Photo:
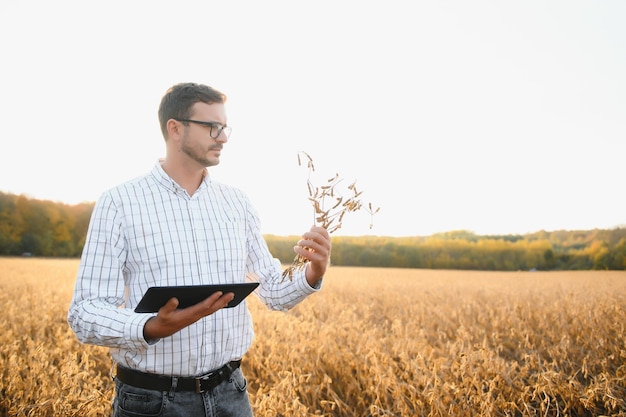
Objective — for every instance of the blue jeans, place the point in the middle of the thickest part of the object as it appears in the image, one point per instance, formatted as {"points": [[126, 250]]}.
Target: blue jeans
{"points": [[230, 398]]}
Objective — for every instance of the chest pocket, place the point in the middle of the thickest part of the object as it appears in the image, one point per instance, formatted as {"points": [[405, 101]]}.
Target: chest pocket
{"points": [[223, 248]]}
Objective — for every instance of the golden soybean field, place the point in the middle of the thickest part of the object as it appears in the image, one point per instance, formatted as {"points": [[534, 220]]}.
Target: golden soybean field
{"points": [[373, 342]]}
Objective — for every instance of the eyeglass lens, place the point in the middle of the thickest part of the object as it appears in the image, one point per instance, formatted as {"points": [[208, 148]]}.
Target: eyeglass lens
{"points": [[217, 129]]}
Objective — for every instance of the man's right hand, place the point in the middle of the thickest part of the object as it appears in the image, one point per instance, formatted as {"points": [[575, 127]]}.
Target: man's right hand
{"points": [[169, 319]]}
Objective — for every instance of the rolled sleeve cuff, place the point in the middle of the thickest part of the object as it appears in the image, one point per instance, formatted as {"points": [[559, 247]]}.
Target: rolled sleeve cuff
{"points": [[133, 331], [303, 285]]}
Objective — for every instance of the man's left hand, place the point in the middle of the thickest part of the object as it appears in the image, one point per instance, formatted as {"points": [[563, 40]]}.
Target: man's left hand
{"points": [[315, 246]]}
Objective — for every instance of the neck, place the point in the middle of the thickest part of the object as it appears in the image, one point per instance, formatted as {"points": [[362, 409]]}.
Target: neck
{"points": [[189, 178]]}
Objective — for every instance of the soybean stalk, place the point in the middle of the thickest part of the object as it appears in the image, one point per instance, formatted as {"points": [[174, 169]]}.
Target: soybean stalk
{"points": [[329, 218]]}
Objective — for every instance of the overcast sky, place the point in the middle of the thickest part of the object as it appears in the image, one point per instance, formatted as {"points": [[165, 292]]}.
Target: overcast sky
{"points": [[490, 116]]}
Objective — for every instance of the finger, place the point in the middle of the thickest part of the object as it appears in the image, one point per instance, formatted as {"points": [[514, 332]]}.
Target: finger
{"points": [[210, 300], [315, 242], [320, 230], [215, 302], [314, 233], [306, 243], [313, 255], [225, 299], [310, 238], [171, 305]]}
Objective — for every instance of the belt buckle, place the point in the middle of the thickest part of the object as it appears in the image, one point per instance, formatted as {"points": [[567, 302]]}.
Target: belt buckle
{"points": [[199, 380]]}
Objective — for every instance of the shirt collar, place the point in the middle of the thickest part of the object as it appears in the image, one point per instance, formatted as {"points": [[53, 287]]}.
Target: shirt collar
{"points": [[166, 181]]}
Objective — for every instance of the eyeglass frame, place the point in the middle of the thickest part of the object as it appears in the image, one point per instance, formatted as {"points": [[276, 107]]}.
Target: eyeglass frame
{"points": [[211, 125]]}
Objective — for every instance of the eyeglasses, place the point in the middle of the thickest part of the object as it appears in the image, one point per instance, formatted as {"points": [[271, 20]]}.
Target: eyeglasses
{"points": [[216, 128]]}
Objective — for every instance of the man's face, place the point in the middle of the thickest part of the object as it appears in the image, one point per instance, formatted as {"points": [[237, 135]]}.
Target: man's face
{"points": [[197, 141]]}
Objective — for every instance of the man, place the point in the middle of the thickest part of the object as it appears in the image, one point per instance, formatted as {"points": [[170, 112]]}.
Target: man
{"points": [[175, 226]]}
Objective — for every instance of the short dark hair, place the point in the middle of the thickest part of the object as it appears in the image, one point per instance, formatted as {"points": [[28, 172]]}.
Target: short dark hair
{"points": [[178, 100]]}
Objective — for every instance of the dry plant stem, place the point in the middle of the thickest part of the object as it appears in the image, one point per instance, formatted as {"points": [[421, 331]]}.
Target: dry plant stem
{"points": [[329, 218]]}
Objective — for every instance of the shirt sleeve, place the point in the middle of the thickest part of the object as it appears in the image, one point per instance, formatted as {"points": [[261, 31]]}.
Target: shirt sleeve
{"points": [[276, 292], [96, 313]]}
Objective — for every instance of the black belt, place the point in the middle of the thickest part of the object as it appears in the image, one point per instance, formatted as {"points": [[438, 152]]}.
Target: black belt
{"points": [[155, 382]]}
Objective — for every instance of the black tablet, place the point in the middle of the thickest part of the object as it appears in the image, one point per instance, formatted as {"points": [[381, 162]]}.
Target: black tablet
{"points": [[188, 295]]}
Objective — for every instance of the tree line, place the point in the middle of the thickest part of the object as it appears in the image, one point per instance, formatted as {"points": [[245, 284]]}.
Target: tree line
{"points": [[42, 228], [560, 250], [52, 229]]}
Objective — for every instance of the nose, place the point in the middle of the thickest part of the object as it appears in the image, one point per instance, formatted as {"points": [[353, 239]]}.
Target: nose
{"points": [[222, 138]]}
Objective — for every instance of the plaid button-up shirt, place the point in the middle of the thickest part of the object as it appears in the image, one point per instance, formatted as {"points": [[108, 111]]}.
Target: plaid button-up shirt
{"points": [[150, 232]]}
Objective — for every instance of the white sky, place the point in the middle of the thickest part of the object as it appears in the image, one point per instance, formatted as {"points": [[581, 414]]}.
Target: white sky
{"points": [[489, 116]]}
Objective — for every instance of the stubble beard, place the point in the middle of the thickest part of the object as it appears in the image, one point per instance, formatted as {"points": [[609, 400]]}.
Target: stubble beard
{"points": [[196, 154]]}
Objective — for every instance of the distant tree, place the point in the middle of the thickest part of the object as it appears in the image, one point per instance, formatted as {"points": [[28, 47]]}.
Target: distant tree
{"points": [[600, 254], [11, 226], [549, 258], [618, 256]]}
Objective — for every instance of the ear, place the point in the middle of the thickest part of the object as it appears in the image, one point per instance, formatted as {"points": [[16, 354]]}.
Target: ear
{"points": [[174, 129]]}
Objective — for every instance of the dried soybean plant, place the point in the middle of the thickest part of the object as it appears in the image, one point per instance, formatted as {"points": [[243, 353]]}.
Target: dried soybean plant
{"points": [[329, 207]]}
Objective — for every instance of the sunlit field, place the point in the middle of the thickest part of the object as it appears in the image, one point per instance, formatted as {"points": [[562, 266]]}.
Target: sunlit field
{"points": [[373, 342]]}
